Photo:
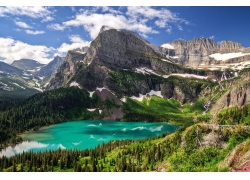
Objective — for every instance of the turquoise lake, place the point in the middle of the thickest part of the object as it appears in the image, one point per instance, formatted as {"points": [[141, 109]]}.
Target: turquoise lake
{"points": [[86, 134]]}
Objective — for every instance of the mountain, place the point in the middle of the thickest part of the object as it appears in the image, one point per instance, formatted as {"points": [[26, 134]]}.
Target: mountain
{"points": [[206, 53], [82, 50], [26, 64], [124, 77], [126, 65], [16, 84], [8, 69], [50, 68]]}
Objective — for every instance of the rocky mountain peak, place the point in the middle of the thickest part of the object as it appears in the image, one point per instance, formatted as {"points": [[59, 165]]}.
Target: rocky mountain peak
{"points": [[105, 28], [228, 46]]}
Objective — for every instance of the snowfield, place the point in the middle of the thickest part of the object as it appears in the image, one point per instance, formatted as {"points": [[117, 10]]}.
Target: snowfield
{"points": [[223, 57], [74, 84], [189, 75], [152, 92], [91, 93], [145, 70]]}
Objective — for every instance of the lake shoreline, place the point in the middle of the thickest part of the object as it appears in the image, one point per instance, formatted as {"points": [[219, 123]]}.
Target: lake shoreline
{"points": [[89, 133]]}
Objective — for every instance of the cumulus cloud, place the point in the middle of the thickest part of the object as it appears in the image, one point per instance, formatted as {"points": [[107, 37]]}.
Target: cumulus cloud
{"points": [[30, 11], [48, 18], [77, 42], [34, 32], [22, 25], [134, 19], [163, 17], [211, 37], [56, 27], [92, 23], [73, 8], [169, 30], [13, 50], [17, 29], [109, 9]]}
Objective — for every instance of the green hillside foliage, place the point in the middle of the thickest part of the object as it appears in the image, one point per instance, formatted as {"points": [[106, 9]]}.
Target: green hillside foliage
{"points": [[155, 109], [235, 115], [178, 152], [43, 109]]}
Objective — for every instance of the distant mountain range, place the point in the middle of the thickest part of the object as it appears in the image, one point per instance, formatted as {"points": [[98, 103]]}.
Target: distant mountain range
{"points": [[8, 69], [27, 64]]}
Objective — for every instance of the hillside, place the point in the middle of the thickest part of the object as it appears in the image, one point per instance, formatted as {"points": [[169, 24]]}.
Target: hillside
{"points": [[27, 64], [123, 77]]}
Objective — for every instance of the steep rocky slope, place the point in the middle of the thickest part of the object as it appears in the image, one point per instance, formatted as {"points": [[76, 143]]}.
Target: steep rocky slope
{"points": [[238, 94], [204, 51], [26, 64], [8, 69], [71, 63], [116, 54], [50, 68]]}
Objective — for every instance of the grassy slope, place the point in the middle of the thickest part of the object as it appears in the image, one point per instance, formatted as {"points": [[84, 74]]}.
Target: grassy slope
{"points": [[171, 110], [16, 92], [165, 153]]}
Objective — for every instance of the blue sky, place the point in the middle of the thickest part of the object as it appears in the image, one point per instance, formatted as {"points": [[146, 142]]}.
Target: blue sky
{"points": [[41, 33]]}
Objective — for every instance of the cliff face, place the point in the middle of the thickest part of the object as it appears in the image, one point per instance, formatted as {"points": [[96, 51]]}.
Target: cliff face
{"points": [[67, 70], [197, 51], [50, 68], [230, 46], [238, 95], [113, 48], [120, 52], [194, 52], [26, 64]]}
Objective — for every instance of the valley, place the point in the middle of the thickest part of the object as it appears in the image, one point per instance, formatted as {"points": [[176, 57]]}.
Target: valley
{"points": [[203, 96]]}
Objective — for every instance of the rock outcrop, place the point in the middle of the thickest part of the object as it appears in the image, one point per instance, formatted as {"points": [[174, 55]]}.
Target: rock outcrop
{"points": [[115, 51], [197, 51], [8, 69], [27, 64], [50, 68], [67, 70]]}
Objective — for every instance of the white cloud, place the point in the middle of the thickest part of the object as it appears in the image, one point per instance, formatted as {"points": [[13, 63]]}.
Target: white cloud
{"points": [[109, 9], [30, 11], [211, 37], [135, 19], [22, 25], [48, 18], [34, 32], [163, 17], [73, 8], [77, 42], [56, 27], [17, 29], [180, 27], [169, 30], [92, 23], [13, 50]]}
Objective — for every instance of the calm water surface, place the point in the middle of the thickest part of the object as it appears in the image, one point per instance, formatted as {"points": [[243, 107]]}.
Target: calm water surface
{"points": [[86, 134]]}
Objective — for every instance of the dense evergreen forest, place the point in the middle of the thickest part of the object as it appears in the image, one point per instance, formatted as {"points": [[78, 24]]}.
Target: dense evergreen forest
{"points": [[185, 150], [180, 151], [43, 109]]}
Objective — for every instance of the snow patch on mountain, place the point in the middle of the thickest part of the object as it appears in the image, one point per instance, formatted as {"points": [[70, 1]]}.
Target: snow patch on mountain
{"points": [[91, 110], [189, 75], [223, 57], [151, 93], [100, 89], [91, 93], [75, 84], [19, 85]]}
